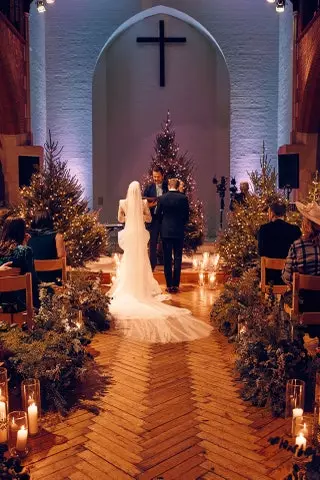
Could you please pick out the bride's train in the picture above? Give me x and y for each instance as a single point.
(156, 322)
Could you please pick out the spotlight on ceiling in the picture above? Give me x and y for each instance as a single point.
(41, 6)
(271, 1)
(280, 6)
(50, 1)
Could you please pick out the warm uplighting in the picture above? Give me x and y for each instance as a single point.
(280, 6)
(41, 6)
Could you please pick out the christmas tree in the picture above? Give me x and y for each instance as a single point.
(237, 244)
(177, 165)
(314, 189)
(54, 189)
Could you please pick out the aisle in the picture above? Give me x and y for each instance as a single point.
(171, 412)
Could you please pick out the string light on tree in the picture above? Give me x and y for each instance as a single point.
(176, 165)
(54, 189)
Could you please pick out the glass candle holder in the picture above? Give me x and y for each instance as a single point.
(316, 424)
(304, 426)
(201, 279)
(205, 260)
(317, 388)
(211, 280)
(31, 401)
(4, 408)
(295, 392)
(18, 434)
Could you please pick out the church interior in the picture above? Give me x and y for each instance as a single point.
(160, 239)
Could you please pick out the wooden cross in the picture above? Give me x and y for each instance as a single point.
(162, 40)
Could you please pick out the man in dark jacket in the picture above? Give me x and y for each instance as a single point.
(173, 213)
(276, 237)
(153, 191)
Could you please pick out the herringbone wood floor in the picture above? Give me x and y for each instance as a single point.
(171, 412)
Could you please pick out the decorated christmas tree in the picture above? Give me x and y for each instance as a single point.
(54, 189)
(314, 189)
(237, 244)
(177, 165)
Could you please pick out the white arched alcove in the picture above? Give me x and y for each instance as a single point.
(129, 106)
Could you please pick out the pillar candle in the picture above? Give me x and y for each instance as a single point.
(33, 419)
(22, 437)
(301, 441)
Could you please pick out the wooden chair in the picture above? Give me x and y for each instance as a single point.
(304, 282)
(52, 265)
(14, 284)
(274, 264)
(13, 272)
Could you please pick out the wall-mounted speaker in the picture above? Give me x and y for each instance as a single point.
(288, 170)
(28, 165)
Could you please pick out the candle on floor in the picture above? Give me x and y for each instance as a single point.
(205, 259)
(201, 279)
(3, 420)
(14, 426)
(212, 279)
(195, 263)
(113, 278)
(301, 441)
(3, 434)
(297, 416)
(33, 419)
(22, 438)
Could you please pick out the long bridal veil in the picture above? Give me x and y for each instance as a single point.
(136, 301)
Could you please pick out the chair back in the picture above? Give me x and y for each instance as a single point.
(16, 283)
(274, 264)
(12, 272)
(305, 282)
(52, 265)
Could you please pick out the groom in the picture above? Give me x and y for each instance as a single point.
(154, 190)
(173, 213)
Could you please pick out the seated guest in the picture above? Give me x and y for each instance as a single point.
(13, 249)
(275, 239)
(304, 255)
(46, 244)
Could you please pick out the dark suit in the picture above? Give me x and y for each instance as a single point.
(154, 226)
(274, 241)
(173, 213)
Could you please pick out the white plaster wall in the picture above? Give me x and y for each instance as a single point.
(38, 76)
(246, 30)
(128, 105)
(285, 76)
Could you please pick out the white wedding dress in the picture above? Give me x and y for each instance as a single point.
(136, 300)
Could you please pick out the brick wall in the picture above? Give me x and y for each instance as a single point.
(308, 88)
(76, 31)
(12, 80)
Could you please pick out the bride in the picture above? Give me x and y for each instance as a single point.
(136, 300)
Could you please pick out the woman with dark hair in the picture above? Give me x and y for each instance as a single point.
(46, 244)
(14, 249)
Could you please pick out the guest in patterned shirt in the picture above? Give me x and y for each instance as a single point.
(304, 254)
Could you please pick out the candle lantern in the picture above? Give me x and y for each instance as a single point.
(205, 260)
(295, 391)
(201, 279)
(195, 263)
(316, 424)
(4, 408)
(317, 391)
(31, 401)
(304, 426)
(212, 280)
(18, 434)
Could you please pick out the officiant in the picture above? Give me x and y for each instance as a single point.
(158, 187)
